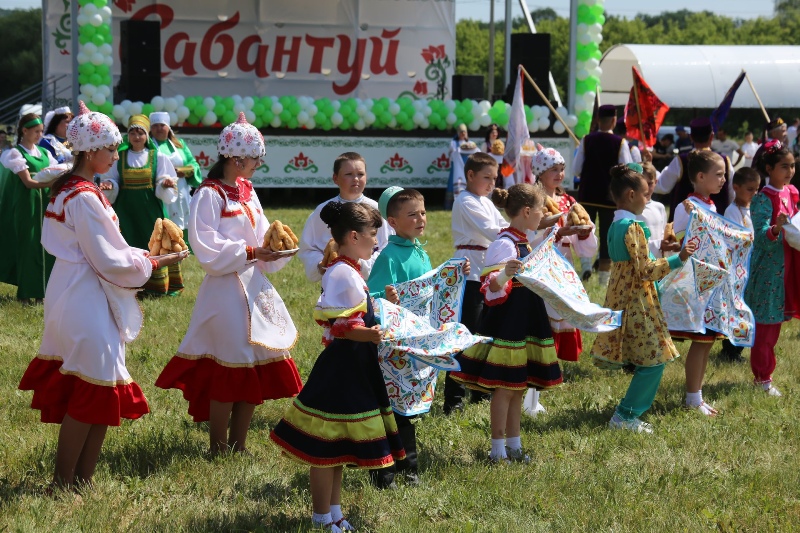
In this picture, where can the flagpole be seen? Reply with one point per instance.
(638, 109)
(549, 105)
(763, 109)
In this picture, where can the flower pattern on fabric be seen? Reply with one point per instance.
(241, 139)
(545, 159)
(91, 131)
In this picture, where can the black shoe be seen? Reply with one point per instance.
(454, 408)
(732, 357)
(411, 477)
(383, 478)
(478, 397)
(630, 368)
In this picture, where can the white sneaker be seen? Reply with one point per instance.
(771, 390)
(703, 408)
(635, 425)
(531, 405)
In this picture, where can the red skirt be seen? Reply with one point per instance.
(791, 282)
(56, 394)
(203, 380)
(569, 345)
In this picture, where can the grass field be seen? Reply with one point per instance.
(738, 472)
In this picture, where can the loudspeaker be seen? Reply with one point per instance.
(532, 51)
(140, 60)
(467, 86)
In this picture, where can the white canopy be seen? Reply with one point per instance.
(689, 76)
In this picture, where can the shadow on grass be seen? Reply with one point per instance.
(144, 455)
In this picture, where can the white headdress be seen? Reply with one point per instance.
(91, 131)
(241, 139)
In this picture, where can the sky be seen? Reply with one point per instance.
(479, 9)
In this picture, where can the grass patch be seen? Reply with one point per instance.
(738, 472)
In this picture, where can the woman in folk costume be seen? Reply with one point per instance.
(23, 200)
(186, 167)
(139, 186)
(55, 134)
(79, 379)
(235, 354)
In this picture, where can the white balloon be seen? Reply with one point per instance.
(311, 124)
(173, 118)
(545, 111)
(450, 105)
(533, 126)
(105, 49)
(302, 117)
(580, 105)
(277, 108)
(88, 89)
(312, 110)
(157, 102)
(250, 116)
(588, 98)
(105, 11)
(125, 120)
(337, 118)
(369, 102)
(418, 118)
(597, 39)
(105, 90)
(361, 110)
(183, 113)
(237, 99)
(558, 128)
(571, 120)
(562, 111)
(419, 104)
(126, 104)
(118, 111)
(98, 58)
(544, 123)
(474, 125)
(592, 63)
(485, 105)
(209, 103)
(451, 118)
(369, 118)
(584, 38)
(484, 119)
(394, 108)
(89, 9)
(82, 58)
(582, 28)
(96, 20)
(597, 72)
(180, 99)
(360, 125)
(238, 107)
(98, 98)
(427, 111)
(248, 102)
(135, 108)
(275, 122)
(392, 123)
(170, 104)
(89, 49)
(109, 60)
(582, 74)
(425, 124)
(83, 20)
(209, 119)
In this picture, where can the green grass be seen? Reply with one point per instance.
(738, 472)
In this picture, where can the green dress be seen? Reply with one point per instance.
(24, 261)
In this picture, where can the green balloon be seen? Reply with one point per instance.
(107, 79)
(267, 115)
(292, 124)
(100, 3)
(467, 105)
(294, 108)
(147, 109)
(285, 101)
(107, 108)
(83, 39)
(582, 52)
(582, 86)
(103, 69)
(502, 120)
(228, 117)
(83, 79)
(597, 54)
(597, 11)
(386, 117)
(585, 117)
(601, 20)
(581, 129)
(285, 116)
(435, 118)
(258, 123)
(528, 114)
(593, 81)
(402, 117)
(200, 110)
(583, 13)
(226, 103)
(408, 125)
(219, 110)
(345, 125)
(95, 79)
(258, 109)
(84, 2)
(88, 30)
(98, 39)
(378, 108)
(193, 119)
(86, 68)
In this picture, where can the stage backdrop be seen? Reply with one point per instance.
(318, 48)
(308, 161)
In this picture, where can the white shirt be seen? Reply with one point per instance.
(14, 161)
(636, 154)
(624, 156)
(740, 215)
(316, 235)
(178, 211)
(749, 150)
(727, 147)
(791, 135)
(681, 220)
(655, 217)
(164, 170)
(475, 222)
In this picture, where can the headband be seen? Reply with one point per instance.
(31, 123)
(636, 167)
(386, 197)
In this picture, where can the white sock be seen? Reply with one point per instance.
(319, 519)
(603, 277)
(498, 449)
(514, 443)
(336, 513)
(693, 399)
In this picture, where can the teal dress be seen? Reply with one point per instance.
(401, 260)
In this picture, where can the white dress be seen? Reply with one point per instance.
(238, 341)
(80, 369)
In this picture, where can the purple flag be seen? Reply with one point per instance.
(719, 114)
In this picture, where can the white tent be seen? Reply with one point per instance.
(694, 76)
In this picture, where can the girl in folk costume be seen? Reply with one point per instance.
(23, 201)
(707, 173)
(55, 134)
(773, 290)
(235, 354)
(139, 185)
(79, 379)
(186, 167)
(522, 353)
(548, 165)
(326, 427)
(643, 340)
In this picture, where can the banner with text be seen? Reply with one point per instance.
(318, 48)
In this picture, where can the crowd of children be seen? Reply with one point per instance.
(237, 350)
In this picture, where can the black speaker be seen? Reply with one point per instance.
(532, 51)
(467, 86)
(140, 60)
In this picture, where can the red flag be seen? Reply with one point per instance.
(650, 108)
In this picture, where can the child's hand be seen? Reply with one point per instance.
(689, 206)
(512, 267)
(106, 185)
(585, 232)
(321, 269)
(782, 220)
(688, 250)
(647, 155)
(391, 295)
(373, 334)
(667, 246)
(467, 268)
(168, 183)
(566, 231)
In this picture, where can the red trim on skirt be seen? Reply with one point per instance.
(569, 345)
(203, 380)
(56, 394)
